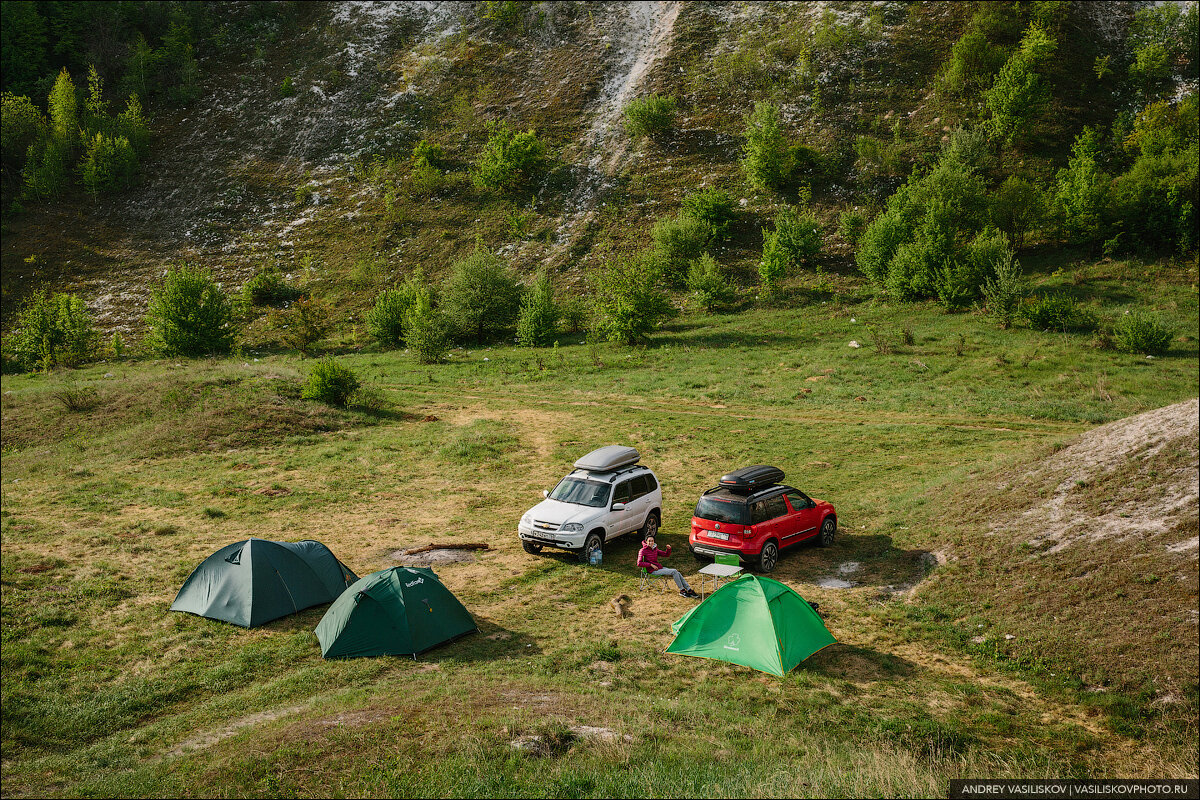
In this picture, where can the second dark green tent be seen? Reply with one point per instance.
(396, 611)
(754, 621)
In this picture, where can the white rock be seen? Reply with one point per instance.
(855, 344)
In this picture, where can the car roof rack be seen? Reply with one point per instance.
(752, 479)
(611, 458)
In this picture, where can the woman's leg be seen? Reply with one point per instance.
(674, 574)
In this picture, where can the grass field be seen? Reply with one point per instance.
(107, 508)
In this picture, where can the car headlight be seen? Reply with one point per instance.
(573, 527)
(527, 519)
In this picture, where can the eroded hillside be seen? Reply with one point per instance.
(1088, 556)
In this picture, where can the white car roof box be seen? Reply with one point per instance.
(609, 458)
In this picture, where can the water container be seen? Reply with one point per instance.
(595, 557)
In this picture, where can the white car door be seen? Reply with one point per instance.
(620, 521)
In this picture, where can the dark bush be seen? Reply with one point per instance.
(481, 296)
(268, 287)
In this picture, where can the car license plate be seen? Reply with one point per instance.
(724, 537)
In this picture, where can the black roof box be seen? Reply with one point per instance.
(751, 478)
(609, 459)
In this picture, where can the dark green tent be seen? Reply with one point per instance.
(252, 582)
(754, 621)
(396, 611)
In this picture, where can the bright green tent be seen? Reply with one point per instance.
(396, 611)
(255, 581)
(754, 621)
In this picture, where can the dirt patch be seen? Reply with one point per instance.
(211, 737)
(431, 557)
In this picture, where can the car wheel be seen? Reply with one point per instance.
(531, 548)
(828, 529)
(594, 541)
(768, 557)
(650, 528)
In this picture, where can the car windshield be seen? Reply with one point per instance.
(718, 510)
(581, 492)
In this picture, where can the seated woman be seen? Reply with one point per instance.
(648, 558)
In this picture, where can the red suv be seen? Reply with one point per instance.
(753, 516)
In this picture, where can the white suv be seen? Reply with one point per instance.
(607, 494)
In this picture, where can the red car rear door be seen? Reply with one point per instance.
(802, 519)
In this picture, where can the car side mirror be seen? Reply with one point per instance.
(618, 506)
(545, 492)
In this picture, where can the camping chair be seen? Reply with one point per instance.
(649, 579)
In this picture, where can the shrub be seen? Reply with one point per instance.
(851, 224)
(189, 315)
(481, 297)
(973, 62)
(52, 330)
(1143, 333)
(287, 88)
(712, 207)
(765, 156)
(537, 321)
(678, 241)
(426, 331)
(628, 301)
(427, 153)
(330, 382)
(385, 320)
(708, 285)
(649, 116)
(774, 264)
(799, 234)
(1002, 291)
(509, 159)
(268, 287)
(1058, 312)
(306, 322)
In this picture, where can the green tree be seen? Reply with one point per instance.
(628, 303)
(64, 116)
(773, 266)
(108, 164)
(537, 322)
(22, 47)
(426, 330)
(386, 319)
(189, 315)
(1082, 190)
(1020, 92)
(481, 296)
(765, 156)
(1003, 290)
(1017, 207)
(21, 125)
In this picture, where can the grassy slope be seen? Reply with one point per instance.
(107, 693)
(104, 513)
